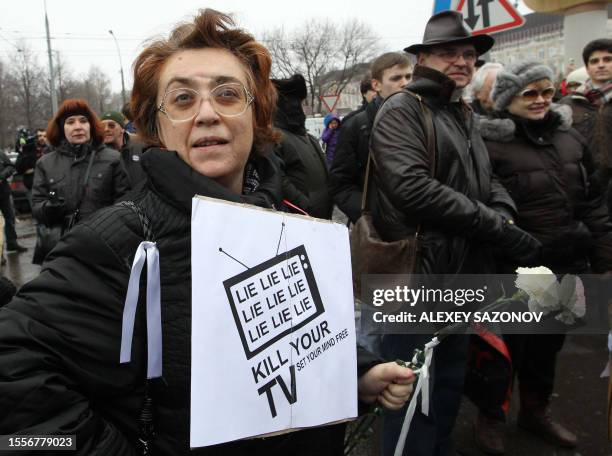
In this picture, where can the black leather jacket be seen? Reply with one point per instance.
(456, 206)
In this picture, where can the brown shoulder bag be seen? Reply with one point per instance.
(369, 253)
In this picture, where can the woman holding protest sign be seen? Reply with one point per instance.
(203, 100)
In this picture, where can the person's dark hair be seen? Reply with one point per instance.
(386, 61)
(126, 111)
(40, 129)
(602, 44)
(74, 107)
(209, 29)
(365, 85)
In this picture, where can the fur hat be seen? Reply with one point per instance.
(294, 87)
(514, 78)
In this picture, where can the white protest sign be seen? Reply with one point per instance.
(273, 328)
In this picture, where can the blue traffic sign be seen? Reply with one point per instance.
(441, 5)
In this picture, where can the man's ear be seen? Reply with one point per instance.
(376, 85)
(421, 58)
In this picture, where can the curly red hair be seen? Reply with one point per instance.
(212, 29)
(74, 107)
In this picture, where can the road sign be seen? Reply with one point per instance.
(442, 5)
(330, 101)
(489, 16)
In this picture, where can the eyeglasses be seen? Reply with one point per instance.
(227, 100)
(533, 94)
(451, 55)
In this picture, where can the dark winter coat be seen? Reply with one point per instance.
(547, 168)
(595, 124)
(60, 337)
(63, 172)
(131, 155)
(7, 169)
(454, 207)
(305, 180)
(26, 161)
(347, 172)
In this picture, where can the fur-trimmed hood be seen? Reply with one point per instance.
(504, 129)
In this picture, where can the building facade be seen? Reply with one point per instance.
(541, 38)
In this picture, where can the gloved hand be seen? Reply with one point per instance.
(54, 210)
(519, 246)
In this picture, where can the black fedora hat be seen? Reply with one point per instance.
(448, 27)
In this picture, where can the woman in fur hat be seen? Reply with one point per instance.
(545, 165)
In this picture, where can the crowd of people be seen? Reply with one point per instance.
(520, 176)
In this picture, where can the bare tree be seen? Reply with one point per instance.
(7, 93)
(30, 77)
(25, 98)
(358, 44)
(101, 86)
(95, 88)
(318, 48)
(65, 82)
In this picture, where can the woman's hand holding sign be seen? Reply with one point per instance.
(389, 383)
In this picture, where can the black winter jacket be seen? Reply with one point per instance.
(547, 168)
(454, 206)
(7, 169)
(63, 172)
(131, 154)
(305, 180)
(26, 161)
(595, 124)
(60, 337)
(347, 173)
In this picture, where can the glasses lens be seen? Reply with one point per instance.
(452, 55)
(530, 94)
(548, 93)
(229, 99)
(226, 99)
(182, 104)
(469, 56)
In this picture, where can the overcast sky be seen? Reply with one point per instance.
(79, 30)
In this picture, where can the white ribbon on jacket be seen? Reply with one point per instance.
(146, 250)
(422, 385)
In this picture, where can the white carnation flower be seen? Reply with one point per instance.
(572, 299)
(541, 286)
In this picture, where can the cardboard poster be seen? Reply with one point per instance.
(273, 329)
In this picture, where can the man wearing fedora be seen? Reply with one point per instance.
(461, 209)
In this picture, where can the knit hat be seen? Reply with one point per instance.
(514, 78)
(578, 76)
(74, 110)
(114, 115)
